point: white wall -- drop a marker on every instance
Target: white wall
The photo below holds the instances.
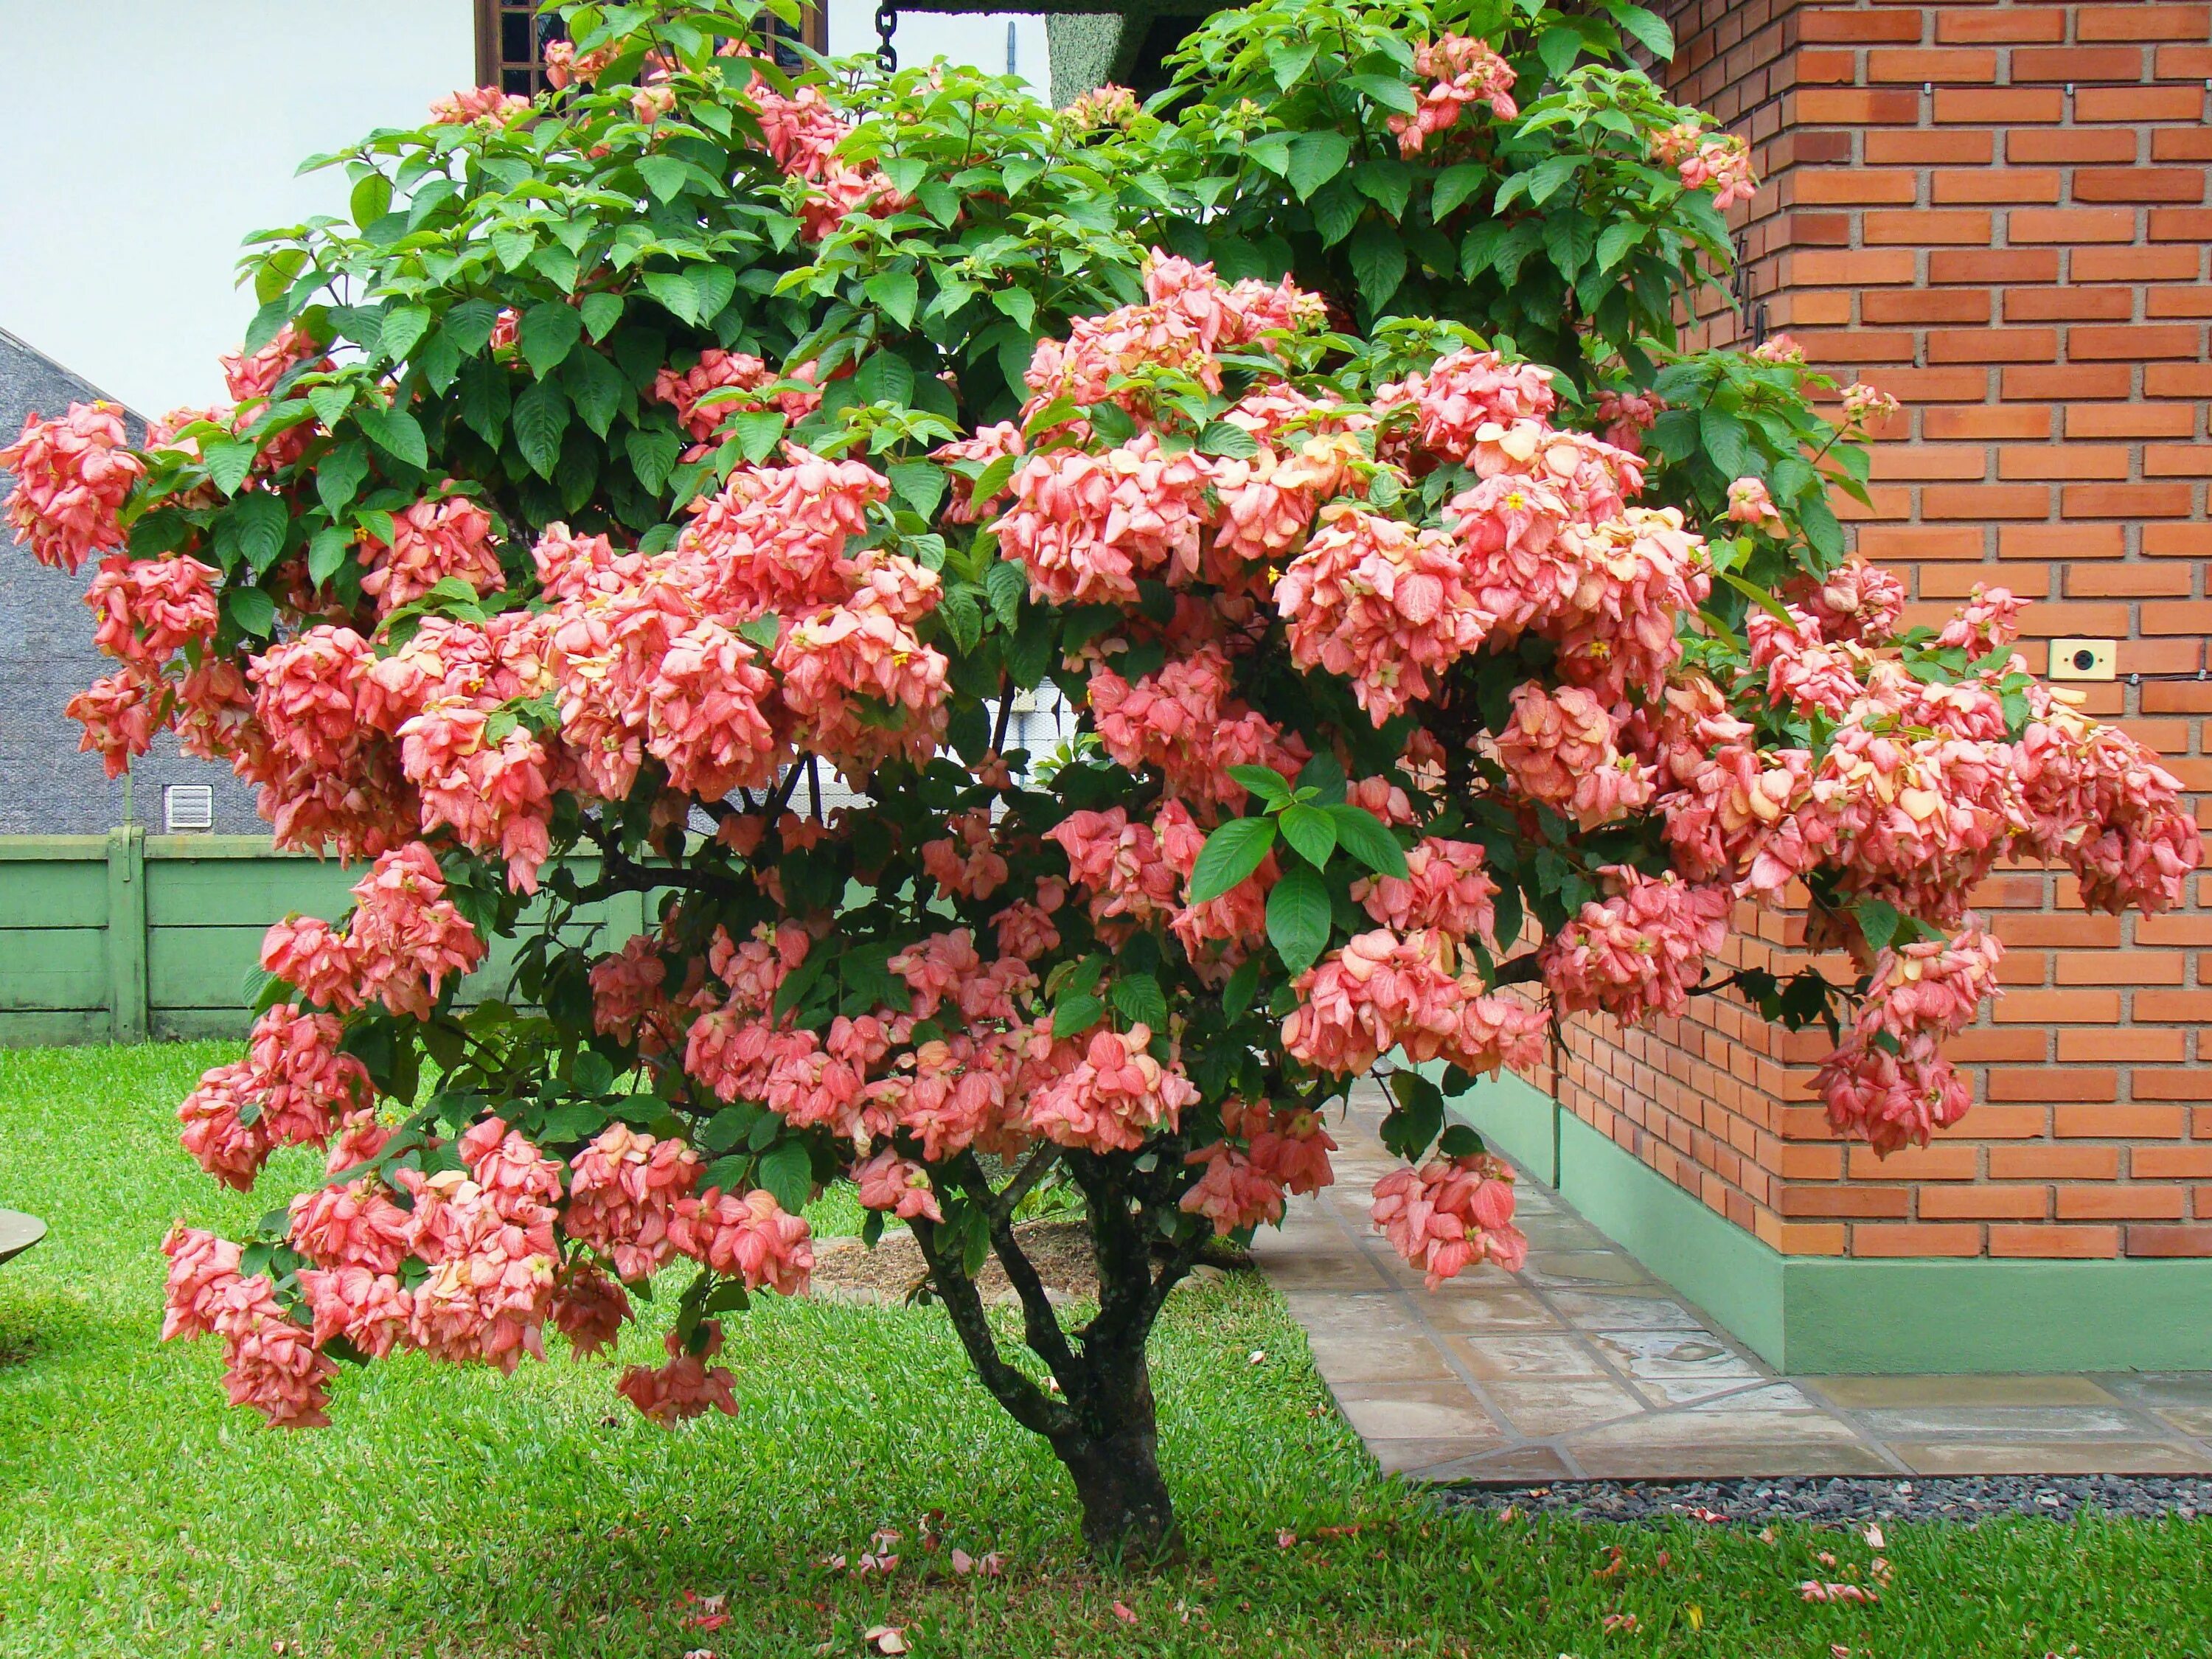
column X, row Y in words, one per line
column 976, row 38
column 139, row 153
column 144, row 139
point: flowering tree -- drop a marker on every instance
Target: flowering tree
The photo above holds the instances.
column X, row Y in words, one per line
column 636, row 455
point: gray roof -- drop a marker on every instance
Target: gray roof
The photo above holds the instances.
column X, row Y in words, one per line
column 46, row 786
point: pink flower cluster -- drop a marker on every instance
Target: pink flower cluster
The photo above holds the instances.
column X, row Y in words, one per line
column 270, row 1362
column 1116, row 1097
column 1382, row 992
column 1700, row 159
column 1463, row 392
column 1464, row 71
column 1562, row 750
column 404, row 940
column 718, row 386
column 291, row 1090
column 1240, row 1187
column 1449, row 1214
column 431, row 541
column 1888, row 1080
column 1641, row 950
column 1185, row 720
column 72, row 477
column 487, row 105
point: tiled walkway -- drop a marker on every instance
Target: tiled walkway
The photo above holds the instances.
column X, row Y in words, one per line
column 1583, row 1366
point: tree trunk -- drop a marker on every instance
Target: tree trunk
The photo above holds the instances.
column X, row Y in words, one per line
column 1128, row 1519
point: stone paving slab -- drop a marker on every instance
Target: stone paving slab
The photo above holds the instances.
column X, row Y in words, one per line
column 1583, row 1366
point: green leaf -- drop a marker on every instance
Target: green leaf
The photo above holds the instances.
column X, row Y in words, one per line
column 885, row 378
column 550, row 332
column 1227, row 438
column 1264, row 781
column 371, row 199
column 1336, row 207
column 1571, row 238
column 337, row 480
column 787, row 1172
column 664, row 175
column 1311, row 831
column 262, row 521
column 541, row 417
column 898, row 292
column 404, row 326
column 1395, row 95
column 1559, row 47
column 1298, row 918
column 1243, row 984
column 1290, row 59
column 1019, row 305
column 486, row 399
column 1140, row 1000
column 228, row 461
column 600, row 312
column 1725, row 444
column 1378, row 261
column 596, row 387
column 330, row 403
column 326, row 552
column 1615, row 241
column 1757, row 595
column 1647, row 30
column 1878, row 920
column 758, row 432
column 1453, row 185
column 1076, row 1015
column 1413, row 1125
column 469, row 325
column 1005, row 583
column 1230, row 854
column 763, row 631
column 1364, row 835
column 1316, row 158
column 652, row 454
column 920, row 484
column 253, row 610
column 396, row 432
column 676, row 290
column 1818, row 521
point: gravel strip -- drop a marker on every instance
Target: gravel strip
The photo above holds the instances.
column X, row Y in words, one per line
column 1969, row 1498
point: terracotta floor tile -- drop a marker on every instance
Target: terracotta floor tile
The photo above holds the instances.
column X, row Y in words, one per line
column 1362, row 1356
column 2052, row 1457
column 1674, row 1354
column 1414, row 1411
column 1721, row 1460
column 2035, row 1423
column 1427, row 1459
column 1909, row 1391
column 1542, row 1408
column 1592, row 1311
column 1525, row 1355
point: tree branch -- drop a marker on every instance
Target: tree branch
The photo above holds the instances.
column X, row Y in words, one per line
column 1040, row 1323
column 1026, row 1402
column 1025, row 1180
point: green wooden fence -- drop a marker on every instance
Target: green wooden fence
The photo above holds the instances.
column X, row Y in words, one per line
column 125, row 936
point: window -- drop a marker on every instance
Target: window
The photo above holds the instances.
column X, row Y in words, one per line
column 511, row 37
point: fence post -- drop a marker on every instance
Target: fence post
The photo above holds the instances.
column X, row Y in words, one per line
column 126, row 933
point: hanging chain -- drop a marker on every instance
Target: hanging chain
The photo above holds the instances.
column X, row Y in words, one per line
column 886, row 26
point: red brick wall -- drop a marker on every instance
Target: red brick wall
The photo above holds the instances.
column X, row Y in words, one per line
column 2024, row 265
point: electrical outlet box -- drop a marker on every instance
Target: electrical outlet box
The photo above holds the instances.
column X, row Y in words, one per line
column 2084, row 660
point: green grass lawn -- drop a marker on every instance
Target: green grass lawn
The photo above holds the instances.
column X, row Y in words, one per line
column 456, row 1513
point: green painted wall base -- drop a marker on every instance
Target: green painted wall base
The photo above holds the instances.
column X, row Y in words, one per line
column 1823, row 1315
